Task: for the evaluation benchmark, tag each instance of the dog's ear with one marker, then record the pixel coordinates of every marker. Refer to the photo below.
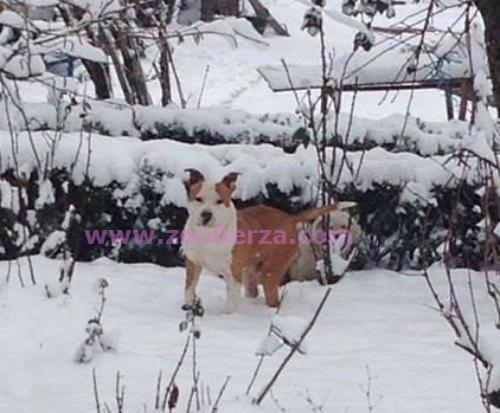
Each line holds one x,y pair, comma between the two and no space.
230,180
195,177
226,187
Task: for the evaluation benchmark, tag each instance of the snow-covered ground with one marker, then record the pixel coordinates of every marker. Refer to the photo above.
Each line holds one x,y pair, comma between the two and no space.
373,318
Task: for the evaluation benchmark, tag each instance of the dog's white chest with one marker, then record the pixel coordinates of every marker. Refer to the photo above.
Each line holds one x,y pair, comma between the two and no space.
211,255
214,259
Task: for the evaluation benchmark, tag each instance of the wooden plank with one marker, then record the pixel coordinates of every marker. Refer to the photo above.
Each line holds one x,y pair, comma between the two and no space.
309,77
409,30
264,13
379,87
424,84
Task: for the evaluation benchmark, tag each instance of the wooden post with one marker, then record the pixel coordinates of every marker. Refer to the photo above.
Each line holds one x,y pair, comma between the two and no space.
207,10
449,102
228,7
464,100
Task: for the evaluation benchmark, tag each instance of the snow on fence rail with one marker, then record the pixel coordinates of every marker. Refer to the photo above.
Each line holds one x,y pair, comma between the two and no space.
382,65
446,67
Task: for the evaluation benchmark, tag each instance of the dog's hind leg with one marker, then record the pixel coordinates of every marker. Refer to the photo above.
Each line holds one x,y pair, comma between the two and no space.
250,282
272,273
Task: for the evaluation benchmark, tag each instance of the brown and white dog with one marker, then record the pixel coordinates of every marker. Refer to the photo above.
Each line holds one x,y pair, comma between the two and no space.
249,260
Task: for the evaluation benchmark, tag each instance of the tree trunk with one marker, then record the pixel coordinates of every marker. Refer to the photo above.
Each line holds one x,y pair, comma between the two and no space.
490,10
228,7
98,75
170,10
207,10
97,71
110,48
166,90
132,64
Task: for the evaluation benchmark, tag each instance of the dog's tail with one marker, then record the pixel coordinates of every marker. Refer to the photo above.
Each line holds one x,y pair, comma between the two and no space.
312,214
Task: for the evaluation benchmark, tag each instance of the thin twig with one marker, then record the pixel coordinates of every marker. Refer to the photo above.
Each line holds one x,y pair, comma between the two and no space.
293,350
215,409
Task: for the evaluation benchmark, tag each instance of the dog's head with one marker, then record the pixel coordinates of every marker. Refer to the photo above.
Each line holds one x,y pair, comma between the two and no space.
210,203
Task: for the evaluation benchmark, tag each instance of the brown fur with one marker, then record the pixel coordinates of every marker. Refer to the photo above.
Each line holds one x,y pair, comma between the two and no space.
255,263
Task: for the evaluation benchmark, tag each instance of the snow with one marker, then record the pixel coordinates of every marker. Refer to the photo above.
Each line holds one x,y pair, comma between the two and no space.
217,120
117,119
428,139
46,195
97,8
284,330
367,68
482,85
376,318
243,87
236,67
479,145
42,3
121,159
72,46
53,241
496,231
9,196
20,65
387,62
12,19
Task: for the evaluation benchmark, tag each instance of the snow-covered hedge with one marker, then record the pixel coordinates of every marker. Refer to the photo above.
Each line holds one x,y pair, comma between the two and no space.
123,183
212,126
207,126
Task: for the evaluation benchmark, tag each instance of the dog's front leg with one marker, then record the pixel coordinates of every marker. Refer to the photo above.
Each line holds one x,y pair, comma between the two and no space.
192,276
233,288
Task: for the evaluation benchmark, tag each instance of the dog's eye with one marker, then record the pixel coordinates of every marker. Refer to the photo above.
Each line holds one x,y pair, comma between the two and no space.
198,199
219,201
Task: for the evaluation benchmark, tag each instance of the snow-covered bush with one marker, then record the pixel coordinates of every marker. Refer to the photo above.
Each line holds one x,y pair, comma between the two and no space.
394,218
214,126
400,234
405,188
